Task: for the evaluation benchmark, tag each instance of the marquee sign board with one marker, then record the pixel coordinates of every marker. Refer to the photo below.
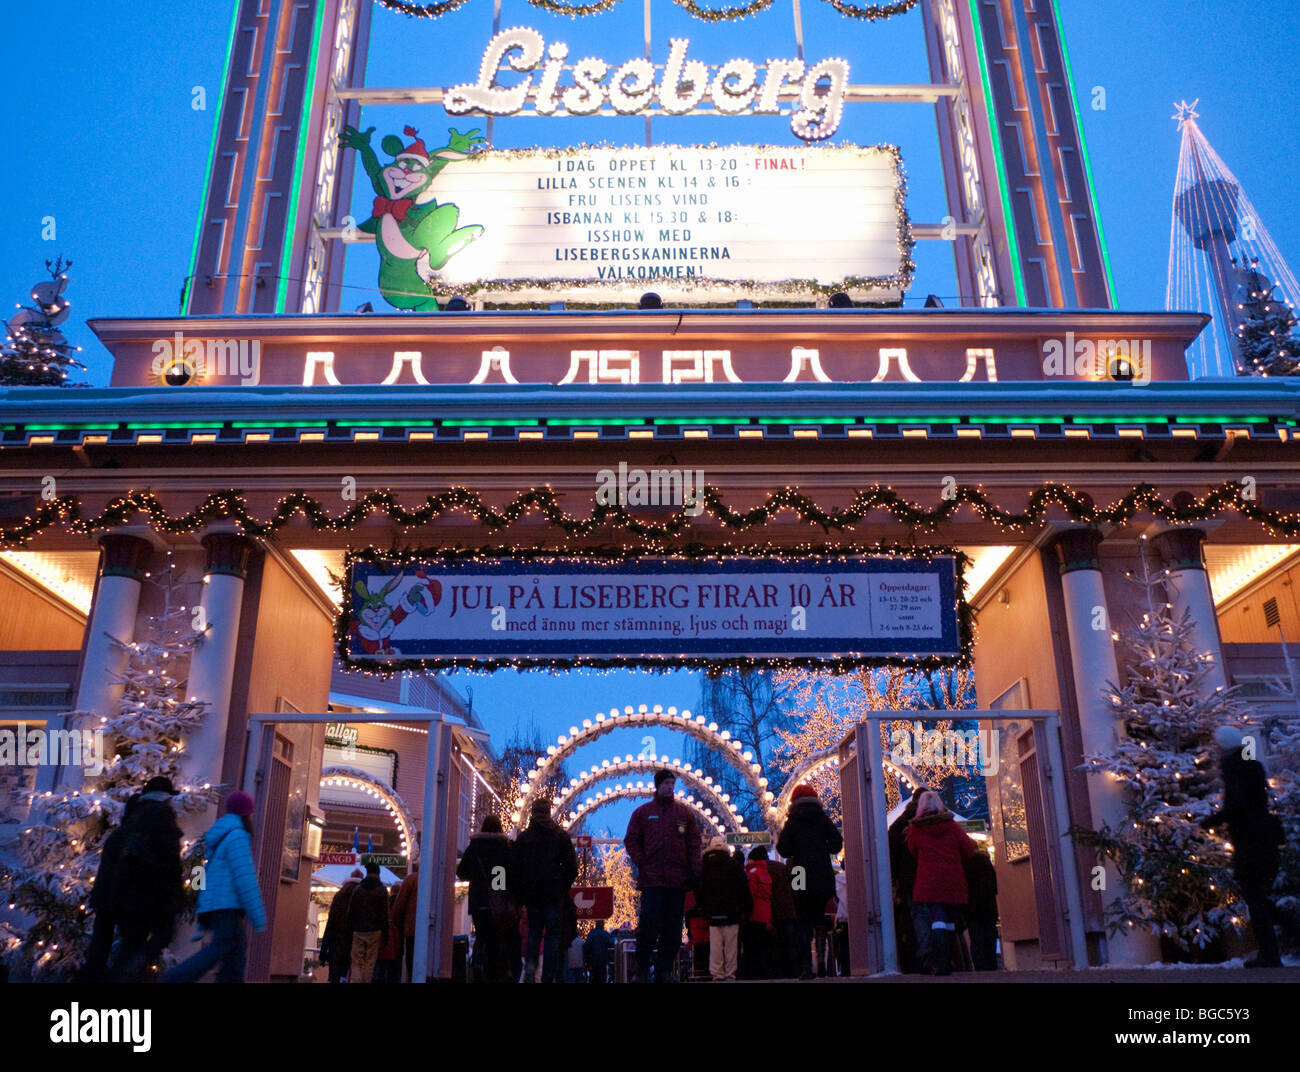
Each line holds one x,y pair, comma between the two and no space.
572,611
688,222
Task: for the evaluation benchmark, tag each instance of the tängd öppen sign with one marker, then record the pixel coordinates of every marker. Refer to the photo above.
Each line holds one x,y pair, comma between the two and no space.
734,87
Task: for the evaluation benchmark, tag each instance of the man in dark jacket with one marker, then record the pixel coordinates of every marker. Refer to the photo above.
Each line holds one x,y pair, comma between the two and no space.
1255,835
486,865
663,843
598,952
545,867
368,915
148,887
808,841
102,901
336,945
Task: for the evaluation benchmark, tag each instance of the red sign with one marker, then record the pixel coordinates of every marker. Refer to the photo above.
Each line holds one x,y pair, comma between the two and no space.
582,841
337,858
593,902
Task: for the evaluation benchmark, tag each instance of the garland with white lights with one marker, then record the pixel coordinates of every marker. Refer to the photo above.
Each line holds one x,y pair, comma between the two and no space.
871,12
724,14
231,505
424,11
574,10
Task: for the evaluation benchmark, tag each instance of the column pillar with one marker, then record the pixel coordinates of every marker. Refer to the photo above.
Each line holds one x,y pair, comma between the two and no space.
111,625
1182,551
1092,655
212,665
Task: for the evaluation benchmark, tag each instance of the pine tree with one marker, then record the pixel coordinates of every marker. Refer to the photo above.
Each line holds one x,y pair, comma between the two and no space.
36,353
1266,334
1176,876
614,868
59,852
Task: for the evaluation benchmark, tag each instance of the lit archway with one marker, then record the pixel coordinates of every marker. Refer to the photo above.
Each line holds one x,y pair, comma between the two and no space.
617,767
593,729
352,778
713,825
830,757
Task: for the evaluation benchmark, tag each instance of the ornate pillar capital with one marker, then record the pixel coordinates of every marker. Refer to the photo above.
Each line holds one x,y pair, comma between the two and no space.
124,555
1181,548
1078,548
227,554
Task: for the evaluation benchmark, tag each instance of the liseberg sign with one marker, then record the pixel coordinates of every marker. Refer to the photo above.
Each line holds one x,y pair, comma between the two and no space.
847,610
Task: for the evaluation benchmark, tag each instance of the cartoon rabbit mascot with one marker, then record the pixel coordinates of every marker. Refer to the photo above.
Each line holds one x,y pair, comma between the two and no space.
375,619
416,236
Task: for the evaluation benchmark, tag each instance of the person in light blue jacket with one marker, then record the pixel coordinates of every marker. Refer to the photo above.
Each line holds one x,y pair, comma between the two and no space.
229,895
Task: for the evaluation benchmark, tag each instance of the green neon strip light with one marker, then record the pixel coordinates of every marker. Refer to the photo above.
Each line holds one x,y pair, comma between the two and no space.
495,423
65,427
282,424
385,424
1220,419
150,426
1023,418
212,152
1117,418
591,422
996,135
291,221
713,420
1083,149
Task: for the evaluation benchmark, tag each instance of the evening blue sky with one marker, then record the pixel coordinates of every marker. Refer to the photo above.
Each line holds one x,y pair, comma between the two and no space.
103,138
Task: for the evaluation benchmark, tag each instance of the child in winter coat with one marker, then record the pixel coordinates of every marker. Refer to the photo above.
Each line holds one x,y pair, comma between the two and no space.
724,901
229,895
940,894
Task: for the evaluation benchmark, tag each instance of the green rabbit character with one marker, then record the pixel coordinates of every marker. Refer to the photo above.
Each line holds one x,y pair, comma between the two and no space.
416,235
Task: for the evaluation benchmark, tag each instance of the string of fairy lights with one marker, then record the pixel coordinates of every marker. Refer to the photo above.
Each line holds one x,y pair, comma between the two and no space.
703,12
232,505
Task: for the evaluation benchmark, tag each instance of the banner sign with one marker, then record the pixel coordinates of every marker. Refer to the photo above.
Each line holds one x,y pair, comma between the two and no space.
571,611
601,224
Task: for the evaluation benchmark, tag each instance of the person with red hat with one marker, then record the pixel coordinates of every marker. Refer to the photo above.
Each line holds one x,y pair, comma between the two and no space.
808,841
228,894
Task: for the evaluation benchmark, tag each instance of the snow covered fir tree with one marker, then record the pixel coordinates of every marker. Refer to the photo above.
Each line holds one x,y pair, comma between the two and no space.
59,850
36,353
1176,876
1266,335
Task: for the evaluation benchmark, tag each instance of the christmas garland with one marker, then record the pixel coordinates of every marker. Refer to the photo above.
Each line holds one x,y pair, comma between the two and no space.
233,506
574,10
724,14
871,12
400,558
424,11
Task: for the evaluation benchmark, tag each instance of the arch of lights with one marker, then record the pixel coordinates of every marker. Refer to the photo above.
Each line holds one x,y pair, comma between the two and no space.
619,767
830,757
593,729
620,791
352,778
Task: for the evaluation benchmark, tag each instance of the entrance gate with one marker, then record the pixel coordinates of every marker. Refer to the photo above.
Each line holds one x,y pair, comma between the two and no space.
439,827
873,948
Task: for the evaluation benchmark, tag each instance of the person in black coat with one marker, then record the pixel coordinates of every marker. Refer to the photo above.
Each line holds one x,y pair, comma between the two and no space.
724,902
982,912
101,900
147,885
808,841
487,865
545,867
1255,834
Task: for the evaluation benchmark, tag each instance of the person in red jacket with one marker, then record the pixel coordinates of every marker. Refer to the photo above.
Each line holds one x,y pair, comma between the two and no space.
941,849
663,843
756,934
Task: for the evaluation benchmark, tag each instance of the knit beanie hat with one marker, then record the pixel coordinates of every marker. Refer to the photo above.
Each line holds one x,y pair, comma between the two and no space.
803,789
240,804
541,808
717,844
1228,738
664,775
